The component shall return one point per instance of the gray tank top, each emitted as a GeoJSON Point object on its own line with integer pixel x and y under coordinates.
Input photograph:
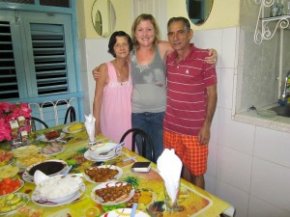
{"type": "Point", "coordinates": [149, 85]}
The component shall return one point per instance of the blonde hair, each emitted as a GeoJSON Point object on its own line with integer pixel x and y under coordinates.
{"type": "Point", "coordinates": [137, 21]}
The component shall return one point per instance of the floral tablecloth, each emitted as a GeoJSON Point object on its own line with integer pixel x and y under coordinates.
{"type": "Point", "coordinates": [191, 200]}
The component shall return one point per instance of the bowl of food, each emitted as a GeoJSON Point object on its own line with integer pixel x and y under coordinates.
{"type": "Point", "coordinates": [58, 189]}
{"type": "Point", "coordinates": [48, 167]}
{"type": "Point", "coordinates": [52, 135]}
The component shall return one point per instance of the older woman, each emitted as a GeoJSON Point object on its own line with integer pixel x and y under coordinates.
{"type": "Point", "coordinates": [112, 108]}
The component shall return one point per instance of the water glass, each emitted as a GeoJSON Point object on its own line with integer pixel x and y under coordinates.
{"type": "Point", "coordinates": [170, 206]}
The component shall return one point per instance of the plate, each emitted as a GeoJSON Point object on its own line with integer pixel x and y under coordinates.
{"type": "Point", "coordinates": [96, 152]}
{"type": "Point", "coordinates": [8, 171]}
{"type": "Point", "coordinates": [73, 128]}
{"type": "Point", "coordinates": [11, 202]}
{"type": "Point", "coordinates": [42, 138]}
{"type": "Point", "coordinates": [99, 158]}
{"type": "Point", "coordinates": [124, 212]}
{"type": "Point", "coordinates": [102, 174]}
{"type": "Point", "coordinates": [6, 157]}
{"type": "Point", "coordinates": [23, 163]}
{"type": "Point", "coordinates": [16, 189]}
{"type": "Point", "coordinates": [68, 200]}
{"type": "Point", "coordinates": [25, 151]}
{"type": "Point", "coordinates": [52, 149]}
{"type": "Point", "coordinates": [112, 188]}
{"type": "Point", "coordinates": [26, 177]}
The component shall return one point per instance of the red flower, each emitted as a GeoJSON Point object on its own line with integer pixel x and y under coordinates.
{"type": "Point", "coordinates": [5, 130]}
{"type": "Point", "coordinates": [8, 112]}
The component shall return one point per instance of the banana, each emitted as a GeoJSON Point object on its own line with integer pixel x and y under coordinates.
{"type": "Point", "coordinates": [75, 127]}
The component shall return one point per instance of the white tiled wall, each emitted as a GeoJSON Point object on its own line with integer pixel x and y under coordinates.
{"type": "Point", "coordinates": [248, 166]}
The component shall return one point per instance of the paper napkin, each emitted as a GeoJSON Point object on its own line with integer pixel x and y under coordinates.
{"type": "Point", "coordinates": [169, 167]}
{"type": "Point", "coordinates": [39, 177]}
{"type": "Point", "coordinates": [90, 127]}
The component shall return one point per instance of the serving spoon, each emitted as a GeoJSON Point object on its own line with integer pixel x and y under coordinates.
{"type": "Point", "coordinates": [117, 147]}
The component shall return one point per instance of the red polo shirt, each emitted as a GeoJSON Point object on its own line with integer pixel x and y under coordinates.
{"type": "Point", "coordinates": [187, 81]}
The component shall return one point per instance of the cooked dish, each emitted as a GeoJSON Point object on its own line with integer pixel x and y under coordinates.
{"type": "Point", "coordinates": [101, 174]}
{"type": "Point", "coordinates": [47, 167]}
{"type": "Point", "coordinates": [52, 135]}
{"type": "Point", "coordinates": [114, 193]}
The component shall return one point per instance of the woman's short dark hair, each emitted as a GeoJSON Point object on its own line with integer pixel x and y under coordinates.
{"type": "Point", "coordinates": [113, 40]}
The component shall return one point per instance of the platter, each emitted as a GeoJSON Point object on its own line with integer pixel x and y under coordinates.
{"type": "Point", "coordinates": [52, 149]}
{"type": "Point", "coordinates": [43, 138]}
{"type": "Point", "coordinates": [11, 202]}
{"type": "Point", "coordinates": [8, 171]}
{"type": "Point", "coordinates": [112, 193]}
{"type": "Point", "coordinates": [62, 201]}
{"type": "Point", "coordinates": [73, 128]}
{"type": "Point", "coordinates": [10, 186]}
{"type": "Point", "coordinates": [6, 157]}
{"type": "Point", "coordinates": [102, 173]}
{"type": "Point", "coordinates": [26, 151]}
{"type": "Point", "coordinates": [124, 212]}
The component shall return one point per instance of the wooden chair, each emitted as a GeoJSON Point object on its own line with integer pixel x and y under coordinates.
{"type": "Point", "coordinates": [142, 140]}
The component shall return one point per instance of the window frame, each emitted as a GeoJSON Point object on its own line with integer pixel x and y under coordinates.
{"type": "Point", "coordinates": [74, 90]}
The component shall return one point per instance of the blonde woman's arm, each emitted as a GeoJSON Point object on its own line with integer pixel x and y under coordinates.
{"type": "Point", "coordinates": [165, 48]}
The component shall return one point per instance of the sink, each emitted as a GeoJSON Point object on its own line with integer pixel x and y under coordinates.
{"type": "Point", "coordinates": [282, 110]}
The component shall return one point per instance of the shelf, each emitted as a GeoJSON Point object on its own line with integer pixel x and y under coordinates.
{"type": "Point", "coordinates": [263, 30]}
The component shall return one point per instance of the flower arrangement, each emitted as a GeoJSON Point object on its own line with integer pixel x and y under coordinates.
{"type": "Point", "coordinates": [14, 120]}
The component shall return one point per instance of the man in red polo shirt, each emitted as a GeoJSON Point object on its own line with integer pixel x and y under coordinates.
{"type": "Point", "coordinates": [191, 100]}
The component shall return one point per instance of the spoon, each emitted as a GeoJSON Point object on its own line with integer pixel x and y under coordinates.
{"type": "Point", "coordinates": [117, 147]}
{"type": "Point", "coordinates": [67, 171]}
{"type": "Point", "coordinates": [133, 211]}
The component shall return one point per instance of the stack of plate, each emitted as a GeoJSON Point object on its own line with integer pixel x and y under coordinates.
{"type": "Point", "coordinates": [102, 152]}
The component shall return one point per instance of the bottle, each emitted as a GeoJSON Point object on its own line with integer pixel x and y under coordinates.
{"type": "Point", "coordinates": [280, 8]}
{"type": "Point", "coordinates": [274, 9]}
{"type": "Point", "coordinates": [288, 88]}
{"type": "Point", "coordinates": [288, 8]}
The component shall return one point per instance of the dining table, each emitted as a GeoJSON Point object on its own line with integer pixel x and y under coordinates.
{"type": "Point", "coordinates": [148, 197]}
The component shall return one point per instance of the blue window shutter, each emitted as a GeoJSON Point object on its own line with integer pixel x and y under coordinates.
{"type": "Point", "coordinates": [38, 61]}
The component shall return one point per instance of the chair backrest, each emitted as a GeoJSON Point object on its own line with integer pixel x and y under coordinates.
{"type": "Point", "coordinates": [35, 122]}
{"type": "Point", "coordinates": [141, 140]}
{"type": "Point", "coordinates": [70, 115]}
{"type": "Point", "coordinates": [54, 113]}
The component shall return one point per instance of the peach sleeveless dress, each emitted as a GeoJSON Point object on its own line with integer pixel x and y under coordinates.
{"type": "Point", "coordinates": [116, 107]}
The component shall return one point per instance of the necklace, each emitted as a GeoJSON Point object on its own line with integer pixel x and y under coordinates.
{"type": "Point", "coordinates": [121, 77]}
